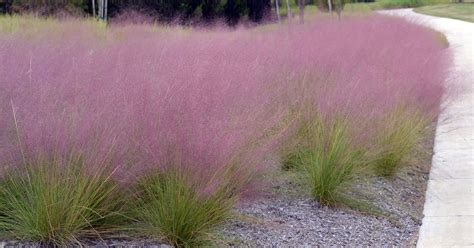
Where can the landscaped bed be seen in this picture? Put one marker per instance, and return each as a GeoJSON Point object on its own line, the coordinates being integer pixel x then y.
{"type": "Point", "coordinates": [285, 216]}
{"type": "Point", "coordinates": [309, 134]}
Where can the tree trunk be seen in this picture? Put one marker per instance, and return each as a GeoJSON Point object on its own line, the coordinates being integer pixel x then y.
{"type": "Point", "coordinates": [288, 13]}
{"type": "Point", "coordinates": [277, 10]}
{"type": "Point", "coordinates": [105, 10]}
{"type": "Point", "coordinates": [301, 6]}
{"type": "Point", "coordinates": [100, 13]}
{"type": "Point", "coordinates": [330, 7]}
{"type": "Point", "coordinates": [93, 8]}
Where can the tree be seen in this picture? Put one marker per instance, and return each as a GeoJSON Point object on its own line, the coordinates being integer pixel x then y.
{"type": "Point", "coordinates": [301, 7]}
{"type": "Point", "coordinates": [190, 7]}
{"type": "Point", "coordinates": [93, 8]}
{"type": "Point", "coordinates": [209, 9]}
{"type": "Point", "coordinates": [100, 8]}
{"type": "Point", "coordinates": [5, 6]}
{"type": "Point", "coordinates": [330, 7]}
{"type": "Point", "coordinates": [277, 8]}
{"type": "Point", "coordinates": [338, 7]}
{"type": "Point", "coordinates": [288, 13]}
{"type": "Point", "coordinates": [105, 10]}
{"type": "Point", "coordinates": [163, 10]}
{"type": "Point", "coordinates": [258, 9]}
{"type": "Point", "coordinates": [232, 11]}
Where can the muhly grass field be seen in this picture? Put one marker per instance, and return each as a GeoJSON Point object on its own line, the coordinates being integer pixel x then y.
{"type": "Point", "coordinates": [143, 131]}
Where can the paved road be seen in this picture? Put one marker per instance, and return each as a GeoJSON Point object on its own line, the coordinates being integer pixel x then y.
{"type": "Point", "coordinates": [449, 206]}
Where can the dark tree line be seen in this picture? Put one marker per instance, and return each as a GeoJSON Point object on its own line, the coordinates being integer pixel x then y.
{"type": "Point", "coordinates": [173, 10]}
{"type": "Point", "coordinates": [165, 10]}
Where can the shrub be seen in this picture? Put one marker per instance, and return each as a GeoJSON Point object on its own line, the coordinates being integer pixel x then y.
{"type": "Point", "coordinates": [170, 207]}
{"type": "Point", "coordinates": [58, 202]}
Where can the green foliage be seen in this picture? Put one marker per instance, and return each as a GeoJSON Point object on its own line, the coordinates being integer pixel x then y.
{"type": "Point", "coordinates": [49, 7]}
{"type": "Point", "coordinates": [169, 207]}
{"type": "Point", "coordinates": [32, 3]}
{"type": "Point", "coordinates": [58, 203]}
{"type": "Point", "coordinates": [169, 10]}
{"type": "Point", "coordinates": [327, 158]}
{"type": "Point", "coordinates": [401, 131]}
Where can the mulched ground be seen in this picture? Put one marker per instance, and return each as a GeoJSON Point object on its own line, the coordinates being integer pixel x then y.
{"type": "Point", "coordinates": [287, 217]}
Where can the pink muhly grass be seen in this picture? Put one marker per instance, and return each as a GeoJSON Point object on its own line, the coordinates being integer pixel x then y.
{"type": "Point", "coordinates": [215, 99]}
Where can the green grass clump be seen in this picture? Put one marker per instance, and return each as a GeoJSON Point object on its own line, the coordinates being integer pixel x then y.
{"type": "Point", "coordinates": [327, 158]}
{"type": "Point", "coordinates": [170, 208]}
{"type": "Point", "coordinates": [58, 203]}
{"type": "Point", "coordinates": [401, 132]}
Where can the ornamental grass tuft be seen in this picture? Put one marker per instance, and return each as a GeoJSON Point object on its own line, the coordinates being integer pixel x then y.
{"type": "Point", "coordinates": [57, 202]}
{"type": "Point", "coordinates": [397, 140]}
{"type": "Point", "coordinates": [327, 158]}
{"type": "Point", "coordinates": [170, 207]}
